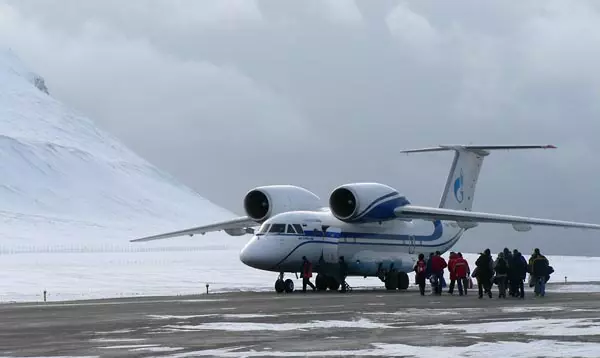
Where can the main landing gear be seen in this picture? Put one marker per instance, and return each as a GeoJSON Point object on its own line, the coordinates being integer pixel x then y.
{"type": "Point", "coordinates": [281, 285]}
{"type": "Point", "coordinates": [324, 282]}
{"type": "Point", "coordinates": [393, 279]}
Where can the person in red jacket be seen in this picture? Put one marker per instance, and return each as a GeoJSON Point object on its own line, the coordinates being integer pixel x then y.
{"type": "Point", "coordinates": [438, 264]}
{"type": "Point", "coordinates": [306, 274]}
{"type": "Point", "coordinates": [421, 273]}
{"type": "Point", "coordinates": [451, 261]}
{"type": "Point", "coordinates": [461, 272]}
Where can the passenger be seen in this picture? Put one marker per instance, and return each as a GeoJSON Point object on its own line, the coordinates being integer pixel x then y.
{"type": "Point", "coordinates": [421, 273]}
{"type": "Point", "coordinates": [461, 272]}
{"type": "Point", "coordinates": [438, 264]}
{"type": "Point", "coordinates": [343, 273]}
{"type": "Point", "coordinates": [428, 272]}
{"type": "Point", "coordinates": [444, 284]}
{"type": "Point", "coordinates": [501, 270]}
{"type": "Point", "coordinates": [451, 262]}
{"type": "Point", "coordinates": [539, 265]}
{"type": "Point", "coordinates": [508, 259]}
{"type": "Point", "coordinates": [513, 275]}
{"type": "Point", "coordinates": [519, 269]}
{"type": "Point", "coordinates": [306, 274]}
{"type": "Point", "coordinates": [484, 273]}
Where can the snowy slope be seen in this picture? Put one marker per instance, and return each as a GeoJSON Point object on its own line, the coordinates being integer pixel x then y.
{"type": "Point", "coordinates": [66, 182]}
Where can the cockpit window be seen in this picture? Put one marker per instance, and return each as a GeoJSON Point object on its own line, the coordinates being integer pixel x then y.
{"type": "Point", "coordinates": [264, 228]}
{"type": "Point", "coordinates": [277, 228]}
{"type": "Point", "coordinates": [290, 229]}
{"type": "Point", "coordinates": [298, 228]}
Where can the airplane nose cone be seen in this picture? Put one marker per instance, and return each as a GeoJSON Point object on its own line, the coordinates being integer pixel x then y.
{"type": "Point", "coordinates": [255, 256]}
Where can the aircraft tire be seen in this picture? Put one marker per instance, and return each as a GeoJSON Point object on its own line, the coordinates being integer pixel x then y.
{"type": "Point", "coordinates": [288, 285]}
{"type": "Point", "coordinates": [403, 281]}
{"type": "Point", "coordinates": [391, 281]}
{"type": "Point", "coordinates": [279, 286]}
{"type": "Point", "coordinates": [321, 282]}
{"type": "Point", "coordinates": [332, 284]}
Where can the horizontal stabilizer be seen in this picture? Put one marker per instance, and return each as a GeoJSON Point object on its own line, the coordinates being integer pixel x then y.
{"type": "Point", "coordinates": [477, 148]}
{"type": "Point", "coordinates": [229, 226]}
{"type": "Point", "coordinates": [520, 223]}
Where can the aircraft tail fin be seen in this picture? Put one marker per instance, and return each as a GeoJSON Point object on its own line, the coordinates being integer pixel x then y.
{"type": "Point", "coordinates": [459, 191]}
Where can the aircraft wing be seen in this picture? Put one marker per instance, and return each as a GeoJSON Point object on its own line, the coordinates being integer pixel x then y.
{"type": "Point", "coordinates": [520, 223]}
{"type": "Point", "coordinates": [242, 222]}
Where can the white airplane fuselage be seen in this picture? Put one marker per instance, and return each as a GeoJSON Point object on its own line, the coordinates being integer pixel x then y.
{"type": "Point", "coordinates": [366, 247]}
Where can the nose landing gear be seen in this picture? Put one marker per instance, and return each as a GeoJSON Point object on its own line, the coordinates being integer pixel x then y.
{"type": "Point", "coordinates": [281, 285]}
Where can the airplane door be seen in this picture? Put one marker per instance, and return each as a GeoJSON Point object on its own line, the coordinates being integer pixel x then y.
{"type": "Point", "coordinates": [330, 250]}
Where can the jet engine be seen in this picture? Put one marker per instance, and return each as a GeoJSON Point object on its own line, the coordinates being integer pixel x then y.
{"type": "Point", "coordinates": [263, 202]}
{"type": "Point", "coordinates": [365, 202]}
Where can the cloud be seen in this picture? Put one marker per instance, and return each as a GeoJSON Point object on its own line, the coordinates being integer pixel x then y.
{"type": "Point", "coordinates": [229, 95]}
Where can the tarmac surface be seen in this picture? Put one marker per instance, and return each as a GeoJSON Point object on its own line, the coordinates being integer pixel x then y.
{"type": "Point", "coordinates": [262, 324]}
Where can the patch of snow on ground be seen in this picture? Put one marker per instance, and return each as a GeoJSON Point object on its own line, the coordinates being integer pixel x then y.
{"type": "Point", "coordinates": [157, 349]}
{"type": "Point", "coordinates": [532, 327]}
{"type": "Point", "coordinates": [573, 288]}
{"type": "Point", "coordinates": [256, 326]}
{"type": "Point", "coordinates": [112, 340]}
{"type": "Point", "coordinates": [132, 346]}
{"type": "Point", "coordinates": [531, 309]}
{"type": "Point", "coordinates": [535, 349]}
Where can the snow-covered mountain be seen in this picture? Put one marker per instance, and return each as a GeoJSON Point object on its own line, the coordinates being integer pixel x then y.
{"type": "Point", "coordinates": [65, 182]}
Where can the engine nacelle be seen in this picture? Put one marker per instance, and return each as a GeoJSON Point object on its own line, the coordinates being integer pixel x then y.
{"type": "Point", "coordinates": [365, 202]}
{"type": "Point", "coordinates": [236, 232]}
{"type": "Point", "coordinates": [263, 202]}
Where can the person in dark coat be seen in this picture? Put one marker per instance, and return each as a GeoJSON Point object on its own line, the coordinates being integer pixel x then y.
{"type": "Point", "coordinates": [508, 258]}
{"type": "Point", "coordinates": [518, 268]}
{"type": "Point", "coordinates": [485, 271]}
{"type": "Point", "coordinates": [421, 273]}
{"type": "Point", "coordinates": [501, 270]}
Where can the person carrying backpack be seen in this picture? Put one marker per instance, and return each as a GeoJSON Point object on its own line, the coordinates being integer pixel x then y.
{"type": "Point", "coordinates": [421, 273]}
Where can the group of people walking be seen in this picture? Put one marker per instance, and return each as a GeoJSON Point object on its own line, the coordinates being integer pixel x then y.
{"type": "Point", "coordinates": [508, 271]}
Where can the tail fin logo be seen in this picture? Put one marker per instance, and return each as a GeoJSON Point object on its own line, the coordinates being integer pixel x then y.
{"type": "Point", "coordinates": [458, 188]}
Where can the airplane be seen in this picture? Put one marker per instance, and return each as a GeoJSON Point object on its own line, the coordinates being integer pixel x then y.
{"type": "Point", "coordinates": [375, 228]}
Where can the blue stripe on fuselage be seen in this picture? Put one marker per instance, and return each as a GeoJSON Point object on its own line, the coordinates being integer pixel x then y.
{"type": "Point", "coordinates": [451, 241]}
{"type": "Point", "coordinates": [437, 233]}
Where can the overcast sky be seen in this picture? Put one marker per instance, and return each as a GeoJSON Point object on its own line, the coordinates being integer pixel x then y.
{"type": "Point", "coordinates": [228, 95]}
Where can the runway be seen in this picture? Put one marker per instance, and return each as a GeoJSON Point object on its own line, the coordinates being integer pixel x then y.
{"type": "Point", "coordinates": [367, 323]}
